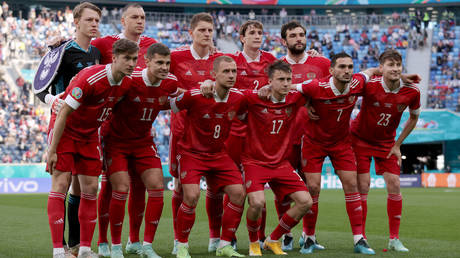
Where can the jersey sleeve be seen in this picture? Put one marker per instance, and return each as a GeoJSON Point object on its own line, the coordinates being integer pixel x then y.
{"type": "Point", "coordinates": [78, 91]}
{"type": "Point", "coordinates": [358, 82]}
{"type": "Point", "coordinates": [181, 102]}
{"type": "Point", "coordinates": [414, 106]}
{"type": "Point", "coordinates": [309, 88]}
{"type": "Point", "coordinates": [98, 43]}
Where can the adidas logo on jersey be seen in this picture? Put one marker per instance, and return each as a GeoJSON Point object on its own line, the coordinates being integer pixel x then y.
{"type": "Point", "coordinates": [327, 102]}
{"type": "Point", "coordinates": [150, 100]}
{"type": "Point", "coordinates": [264, 111]}
{"type": "Point", "coordinates": [79, 65]}
{"type": "Point", "coordinates": [101, 101]}
{"type": "Point", "coordinates": [206, 116]}
{"type": "Point", "coordinates": [376, 104]}
{"type": "Point", "coordinates": [155, 222]}
{"type": "Point", "coordinates": [188, 73]}
{"type": "Point", "coordinates": [137, 99]}
{"type": "Point", "coordinates": [243, 73]}
{"type": "Point", "coordinates": [59, 221]}
{"type": "Point", "coordinates": [219, 115]}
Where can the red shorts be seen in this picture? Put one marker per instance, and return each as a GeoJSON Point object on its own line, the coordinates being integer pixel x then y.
{"type": "Point", "coordinates": [283, 180]}
{"type": "Point", "coordinates": [79, 157]}
{"type": "Point", "coordinates": [125, 157]}
{"type": "Point", "coordinates": [295, 157]}
{"type": "Point", "coordinates": [341, 155]}
{"type": "Point", "coordinates": [173, 163]}
{"type": "Point", "coordinates": [219, 172]}
{"type": "Point", "coordinates": [234, 145]}
{"type": "Point", "coordinates": [364, 153]}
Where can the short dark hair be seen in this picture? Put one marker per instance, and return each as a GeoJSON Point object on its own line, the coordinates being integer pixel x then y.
{"type": "Point", "coordinates": [220, 59]}
{"type": "Point", "coordinates": [390, 54]}
{"type": "Point", "coordinates": [290, 26]}
{"type": "Point", "coordinates": [244, 27]}
{"type": "Point", "coordinates": [206, 17]}
{"type": "Point", "coordinates": [337, 56]}
{"type": "Point", "coordinates": [157, 48]}
{"type": "Point", "coordinates": [78, 10]}
{"type": "Point", "coordinates": [278, 66]}
{"type": "Point", "coordinates": [124, 46]}
{"type": "Point", "coordinates": [126, 7]}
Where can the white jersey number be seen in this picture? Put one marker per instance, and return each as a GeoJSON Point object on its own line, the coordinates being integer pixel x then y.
{"type": "Point", "coordinates": [256, 84]}
{"type": "Point", "coordinates": [149, 118]}
{"type": "Point", "coordinates": [384, 119]}
{"type": "Point", "coordinates": [340, 114]}
{"type": "Point", "coordinates": [216, 132]}
{"type": "Point", "coordinates": [105, 114]}
{"type": "Point", "coordinates": [276, 126]}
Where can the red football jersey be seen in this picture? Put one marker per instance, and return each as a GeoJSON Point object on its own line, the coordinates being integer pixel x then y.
{"type": "Point", "coordinates": [207, 121]}
{"type": "Point", "coordinates": [92, 93]}
{"type": "Point", "coordinates": [306, 69]}
{"type": "Point", "coordinates": [105, 44]}
{"type": "Point", "coordinates": [252, 74]}
{"type": "Point", "coordinates": [189, 69]}
{"type": "Point", "coordinates": [381, 112]}
{"type": "Point", "coordinates": [333, 107]}
{"type": "Point", "coordinates": [270, 128]}
{"type": "Point", "coordinates": [132, 119]}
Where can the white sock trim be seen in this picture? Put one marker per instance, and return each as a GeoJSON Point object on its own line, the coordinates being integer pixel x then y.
{"type": "Point", "coordinates": [356, 238]}
{"type": "Point", "coordinates": [57, 251]}
{"type": "Point", "coordinates": [84, 249]}
{"type": "Point", "coordinates": [223, 243]}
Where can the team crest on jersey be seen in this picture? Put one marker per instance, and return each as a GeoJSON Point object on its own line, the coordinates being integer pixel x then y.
{"type": "Point", "coordinates": [77, 93]}
{"type": "Point", "coordinates": [162, 100]}
{"type": "Point", "coordinates": [311, 75]}
{"type": "Point", "coordinates": [231, 115]}
{"type": "Point", "coordinates": [351, 99]}
{"type": "Point", "coordinates": [278, 112]}
{"type": "Point", "coordinates": [243, 73]}
{"type": "Point", "coordinates": [401, 107]}
{"type": "Point", "coordinates": [289, 111]}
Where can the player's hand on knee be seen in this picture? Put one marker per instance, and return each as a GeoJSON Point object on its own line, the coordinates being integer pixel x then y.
{"type": "Point", "coordinates": [395, 150]}
{"type": "Point", "coordinates": [207, 88]}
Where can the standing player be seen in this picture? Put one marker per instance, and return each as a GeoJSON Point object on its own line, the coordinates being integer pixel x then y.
{"type": "Point", "coordinates": [75, 142]}
{"type": "Point", "coordinates": [304, 67]}
{"type": "Point", "coordinates": [265, 158]}
{"type": "Point", "coordinates": [333, 98]}
{"type": "Point", "coordinates": [129, 143]}
{"type": "Point", "coordinates": [78, 54]}
{"type": "Point", "coordinates": [133, 22]}
{"type": "Point", "coordinates": [192, 64]}
{"type": "Point", "coordinates": [374, 130]}
{"type": "Point", "coordinates": [202, 153]}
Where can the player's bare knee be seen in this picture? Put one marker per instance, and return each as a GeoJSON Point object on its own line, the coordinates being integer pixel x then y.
{"type": "Point", "coordinates": [238, 197]}
{"type": "Point", "coordinates": [314, 189]}
{"type": "Point", "coordinates": [191, 199]}
{"type": "Point", "coordinates": [124, 187]}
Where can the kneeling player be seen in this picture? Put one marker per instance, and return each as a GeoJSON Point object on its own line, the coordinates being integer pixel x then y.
{"type": "Point", "coordinates": [270, 126]}
{"type": "Point", "coordinates": [74, 147]}
{"type": "Point", "coordinates": [384, 101]}
{"type": "Point", "coordinates": [202, 153]}
{"type": "Point", "coordinates": [129, 144]}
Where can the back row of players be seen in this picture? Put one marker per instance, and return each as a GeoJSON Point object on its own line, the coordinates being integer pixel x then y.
{"type": "Point", "coordinates": [213, 128]}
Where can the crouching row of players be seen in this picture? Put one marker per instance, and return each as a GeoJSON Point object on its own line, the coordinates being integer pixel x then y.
{"type": "Point", "coordinates": [124, 102]}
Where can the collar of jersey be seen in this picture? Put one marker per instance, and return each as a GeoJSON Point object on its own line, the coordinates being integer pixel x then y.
{"type": "Point", "coordinates": [108, 69]}
{"type": "Point", "coordinates": [74, 44]}
{"type": "Point", "coordinates": [387, 90]}
{"type": "Point", "coordinates": [122, 36]}
{"type": "Point", "coordinates": [336, 91]}
{"type": "Point", "coordinates": [249, 59]}
{"type": "Point", "coordinates": [147, 81]}
{"type": "Point", "coordinates": [218, 99]}
{"type": "Point", "coordinates": [274, 100]}
{"type": "Point", "coordinates": [302, 61]}
{"type": "Point", "coordinates": [196, 56]}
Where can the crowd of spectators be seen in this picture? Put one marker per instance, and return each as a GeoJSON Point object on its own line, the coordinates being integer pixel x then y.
{"type": "Point", "coordinates": [23, 126]}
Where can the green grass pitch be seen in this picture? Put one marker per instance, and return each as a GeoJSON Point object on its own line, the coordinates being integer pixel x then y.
{"type": "Point", "coordinates": [430, 226]}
